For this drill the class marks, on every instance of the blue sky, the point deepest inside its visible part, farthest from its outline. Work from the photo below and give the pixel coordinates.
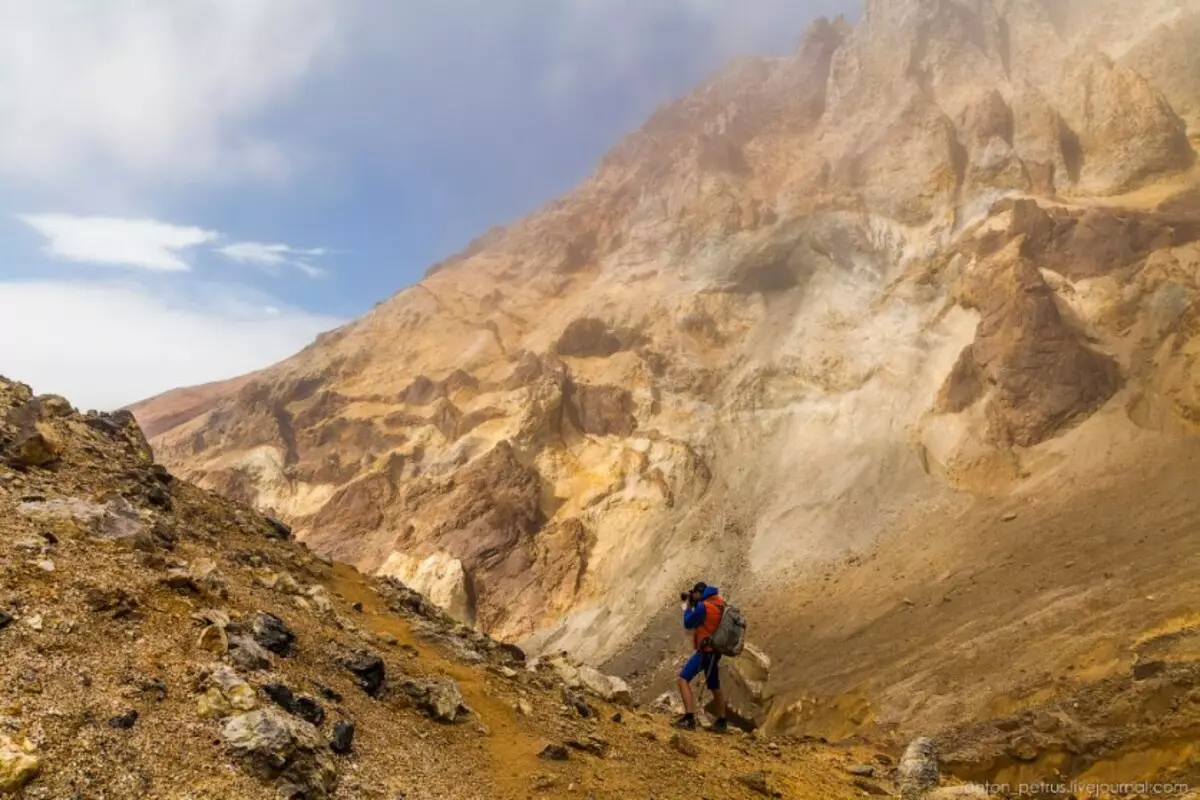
(193, 189)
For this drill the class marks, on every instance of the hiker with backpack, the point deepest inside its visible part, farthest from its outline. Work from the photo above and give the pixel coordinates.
(717, 629)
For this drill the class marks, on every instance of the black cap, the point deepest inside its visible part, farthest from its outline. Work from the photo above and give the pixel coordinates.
(700, 587)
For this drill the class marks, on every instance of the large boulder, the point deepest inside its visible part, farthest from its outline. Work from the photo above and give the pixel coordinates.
(606, 687)
(286, 751)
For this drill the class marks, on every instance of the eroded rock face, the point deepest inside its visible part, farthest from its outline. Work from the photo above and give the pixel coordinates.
(1045, 377)
(439, 577)
(916, 253)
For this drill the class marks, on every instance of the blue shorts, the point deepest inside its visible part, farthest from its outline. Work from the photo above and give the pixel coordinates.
(708, 663)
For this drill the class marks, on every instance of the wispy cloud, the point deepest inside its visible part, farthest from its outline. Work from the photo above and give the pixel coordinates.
(141, 91)
(116, 343)
(142, 243)
(274, 258)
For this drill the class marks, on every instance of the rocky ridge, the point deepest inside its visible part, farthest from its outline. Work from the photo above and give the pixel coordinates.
(808, 333)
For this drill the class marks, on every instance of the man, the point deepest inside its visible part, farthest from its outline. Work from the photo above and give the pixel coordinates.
(702, 610)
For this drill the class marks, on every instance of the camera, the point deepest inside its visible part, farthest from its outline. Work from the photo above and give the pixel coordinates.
(684, 596)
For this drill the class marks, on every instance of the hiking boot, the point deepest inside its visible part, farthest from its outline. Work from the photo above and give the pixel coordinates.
(720, 726)
(687, 722)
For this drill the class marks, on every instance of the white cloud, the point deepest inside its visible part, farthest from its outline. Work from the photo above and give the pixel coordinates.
(111, 345)
(145, 90)
(274, 257)
(143, 243)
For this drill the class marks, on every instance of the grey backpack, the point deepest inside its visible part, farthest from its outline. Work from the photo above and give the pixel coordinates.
(730, 636)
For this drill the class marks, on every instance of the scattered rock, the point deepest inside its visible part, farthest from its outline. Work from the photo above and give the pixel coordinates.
(682, 744)
(306, 708)
(862, 770)
(45, 565)
(1009, 517)
(224, 693)
(540, 781)
(320, 599)
(328, 694)
(275, 747)
(281, 696)
(368, 669)
(53, 405)
(35, 621)
(918, 771)
(757, 783)
(667, 703)
(288, 585)
(181, 580)
(310, 710)
(617, 718)
(124, 721)
(19, 764)
(342, 740)
(117, 601)
(272, 633)
(32, 448)
(248, 654)
(872, 788)
(590, 744)
(6, 619)
(554, 752)
(440, 699)
(576, 701)
(524, 707)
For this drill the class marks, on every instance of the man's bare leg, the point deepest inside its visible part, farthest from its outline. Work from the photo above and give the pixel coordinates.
(719, 703)
(685, 693)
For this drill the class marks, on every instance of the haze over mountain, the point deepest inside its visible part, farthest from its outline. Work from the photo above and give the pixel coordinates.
(893, 337)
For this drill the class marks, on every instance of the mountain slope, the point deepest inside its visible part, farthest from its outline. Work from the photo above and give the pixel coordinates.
(143, 619)
(828, 308)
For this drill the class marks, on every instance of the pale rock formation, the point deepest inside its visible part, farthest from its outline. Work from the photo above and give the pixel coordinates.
(439, 577)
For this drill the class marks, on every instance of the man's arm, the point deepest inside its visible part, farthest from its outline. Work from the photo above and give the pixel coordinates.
(694, 617)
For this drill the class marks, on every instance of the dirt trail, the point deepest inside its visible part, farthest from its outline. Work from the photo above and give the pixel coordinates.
(511, 749)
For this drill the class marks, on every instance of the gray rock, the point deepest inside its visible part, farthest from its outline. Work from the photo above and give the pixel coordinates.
(440, 699)
(275, 747)
(248, 654)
